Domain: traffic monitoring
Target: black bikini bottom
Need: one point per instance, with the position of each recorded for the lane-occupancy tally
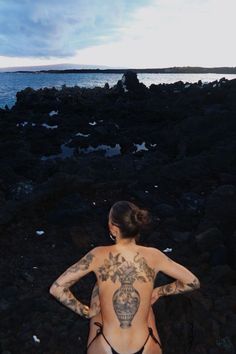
(140, 351)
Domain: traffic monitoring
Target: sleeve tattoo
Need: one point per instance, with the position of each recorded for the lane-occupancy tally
(177, 287)
(61, 286)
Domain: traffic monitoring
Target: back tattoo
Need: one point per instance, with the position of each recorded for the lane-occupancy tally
(126, 299)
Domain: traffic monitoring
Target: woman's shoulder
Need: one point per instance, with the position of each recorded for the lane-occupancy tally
(150, 250)
(147, 251)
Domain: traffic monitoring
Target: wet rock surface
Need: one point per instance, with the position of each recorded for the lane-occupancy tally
(67, 155)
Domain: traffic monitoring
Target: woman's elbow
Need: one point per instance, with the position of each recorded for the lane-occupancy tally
(53, 290)
(199, 283)
(196, 283)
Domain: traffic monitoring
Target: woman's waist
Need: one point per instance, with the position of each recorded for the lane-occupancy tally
(132, 337)
(125, 328)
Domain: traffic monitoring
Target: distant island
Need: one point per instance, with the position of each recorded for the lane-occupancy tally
(171, 70)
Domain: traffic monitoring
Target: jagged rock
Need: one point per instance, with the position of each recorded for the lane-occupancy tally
(21, 189)
(221, 206)
(185, 175)
(130, 81)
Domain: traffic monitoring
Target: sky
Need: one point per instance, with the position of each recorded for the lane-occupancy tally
(118, 33)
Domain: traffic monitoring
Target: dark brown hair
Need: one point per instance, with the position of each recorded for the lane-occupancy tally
(129, 218)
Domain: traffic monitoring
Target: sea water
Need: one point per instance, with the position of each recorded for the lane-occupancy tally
(11, 83)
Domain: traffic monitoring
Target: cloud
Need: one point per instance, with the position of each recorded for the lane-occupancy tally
(172, 33)
(56, 28)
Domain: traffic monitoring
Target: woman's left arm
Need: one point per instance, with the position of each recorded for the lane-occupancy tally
(60, 287)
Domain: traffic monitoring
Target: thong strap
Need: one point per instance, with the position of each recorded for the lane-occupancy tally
(100, 331)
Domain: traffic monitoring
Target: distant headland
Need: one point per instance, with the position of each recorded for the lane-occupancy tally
(171, 70)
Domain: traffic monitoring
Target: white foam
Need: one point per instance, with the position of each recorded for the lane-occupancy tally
(22, 124)
(53, 113)
(81, 134)
(49, 126)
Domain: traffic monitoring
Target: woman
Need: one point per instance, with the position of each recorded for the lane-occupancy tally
(124, 292)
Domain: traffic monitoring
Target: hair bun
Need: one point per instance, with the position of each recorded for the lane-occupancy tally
(142, 217)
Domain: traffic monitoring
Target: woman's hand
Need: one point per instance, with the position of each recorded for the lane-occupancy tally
(85, 311)
(94, 308)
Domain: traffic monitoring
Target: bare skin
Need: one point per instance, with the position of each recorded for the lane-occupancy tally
(122, 299)
(95, 304)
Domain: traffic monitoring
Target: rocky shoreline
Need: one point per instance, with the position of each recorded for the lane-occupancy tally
(67, 155)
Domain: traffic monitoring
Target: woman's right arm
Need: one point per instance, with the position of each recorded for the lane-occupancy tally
(185, 280)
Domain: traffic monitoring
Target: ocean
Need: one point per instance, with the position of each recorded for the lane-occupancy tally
(11, 83)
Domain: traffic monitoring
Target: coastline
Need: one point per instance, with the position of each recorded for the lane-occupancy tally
(174, 70)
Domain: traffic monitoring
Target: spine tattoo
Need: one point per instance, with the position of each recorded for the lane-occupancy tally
(126, 299)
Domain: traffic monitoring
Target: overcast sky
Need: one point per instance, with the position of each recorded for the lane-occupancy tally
(129, 33)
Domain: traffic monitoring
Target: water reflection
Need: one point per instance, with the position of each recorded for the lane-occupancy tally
(109, 151)
(140, 147)
(65, 152)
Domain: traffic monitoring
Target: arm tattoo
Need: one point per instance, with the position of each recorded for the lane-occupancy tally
(82, 264)
(64, 295)
(177, 287)
(95, 301)
(95, 291)
(126, 299)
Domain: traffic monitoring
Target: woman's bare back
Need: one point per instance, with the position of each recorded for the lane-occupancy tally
(125, 275)
(125, 278)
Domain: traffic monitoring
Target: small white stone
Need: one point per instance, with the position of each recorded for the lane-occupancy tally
(156, 186)
(94, 203)
(39, 232)
(166, 250)
(36, 339)
(93, 123)
(53, 113)
(146, 191)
